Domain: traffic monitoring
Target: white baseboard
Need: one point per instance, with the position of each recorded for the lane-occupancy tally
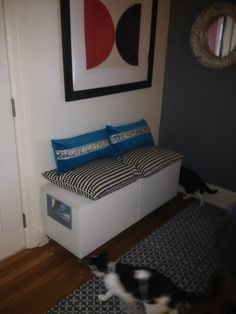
(223, 199)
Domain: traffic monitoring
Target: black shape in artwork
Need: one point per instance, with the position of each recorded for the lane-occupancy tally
(127, 34)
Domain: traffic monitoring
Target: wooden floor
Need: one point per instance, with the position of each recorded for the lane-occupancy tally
(34, 280)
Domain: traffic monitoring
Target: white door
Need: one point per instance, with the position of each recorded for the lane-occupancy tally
(11, 226)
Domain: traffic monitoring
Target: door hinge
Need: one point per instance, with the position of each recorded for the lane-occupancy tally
(24, 220)
(13, 107)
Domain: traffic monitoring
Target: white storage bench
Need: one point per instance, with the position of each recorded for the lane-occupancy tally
(81, 224)
(92, 222)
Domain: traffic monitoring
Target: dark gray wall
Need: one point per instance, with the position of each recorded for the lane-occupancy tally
(199, 104)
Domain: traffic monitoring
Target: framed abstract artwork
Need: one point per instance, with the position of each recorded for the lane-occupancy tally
(108, 46)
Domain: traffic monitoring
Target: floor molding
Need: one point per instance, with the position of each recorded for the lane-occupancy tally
(223, 199)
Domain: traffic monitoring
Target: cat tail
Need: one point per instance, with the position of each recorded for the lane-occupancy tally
(209, 190)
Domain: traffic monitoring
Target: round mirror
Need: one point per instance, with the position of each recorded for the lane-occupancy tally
(213, 36)
(221, 36)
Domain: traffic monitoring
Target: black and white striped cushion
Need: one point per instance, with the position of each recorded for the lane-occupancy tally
(149, 159)
(94, 179)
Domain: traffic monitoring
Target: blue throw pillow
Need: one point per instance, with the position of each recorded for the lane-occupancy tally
(126, 137)
(72, 152)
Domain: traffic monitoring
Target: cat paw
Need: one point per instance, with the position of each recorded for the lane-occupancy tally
(102, 297)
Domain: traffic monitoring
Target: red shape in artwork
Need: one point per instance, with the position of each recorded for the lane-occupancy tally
(99, 32)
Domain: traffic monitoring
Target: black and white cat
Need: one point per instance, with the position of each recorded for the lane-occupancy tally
(193, 184)
(158, 294)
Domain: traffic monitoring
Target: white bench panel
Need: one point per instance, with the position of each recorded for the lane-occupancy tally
(107, 217)
(158, 188)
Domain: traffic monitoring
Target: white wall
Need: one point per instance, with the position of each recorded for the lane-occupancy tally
(35, 55)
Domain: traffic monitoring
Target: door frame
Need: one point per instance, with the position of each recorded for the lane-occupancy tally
(30, 194)
(11, 222)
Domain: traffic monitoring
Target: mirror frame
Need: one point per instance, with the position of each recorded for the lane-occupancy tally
(198, 37)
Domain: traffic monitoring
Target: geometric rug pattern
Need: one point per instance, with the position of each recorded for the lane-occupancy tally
(182, 249)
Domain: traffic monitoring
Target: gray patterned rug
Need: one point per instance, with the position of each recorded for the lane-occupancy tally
(182, 249)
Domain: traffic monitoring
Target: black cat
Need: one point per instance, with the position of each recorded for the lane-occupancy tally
(193, 184)
(156, 291)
